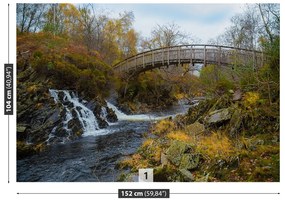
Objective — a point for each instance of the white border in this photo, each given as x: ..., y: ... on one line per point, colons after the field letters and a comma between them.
x: 9, y: 191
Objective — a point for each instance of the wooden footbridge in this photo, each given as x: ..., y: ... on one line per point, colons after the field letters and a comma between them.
x: 188, y: 54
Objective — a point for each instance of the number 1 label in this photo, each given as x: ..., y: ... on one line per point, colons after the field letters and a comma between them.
x: 145, y: 175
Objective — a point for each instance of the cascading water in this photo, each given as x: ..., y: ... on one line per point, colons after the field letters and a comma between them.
x: 137, y: 117
x: 104, y: 114
x: 74, y: 108
x: 78, y: 120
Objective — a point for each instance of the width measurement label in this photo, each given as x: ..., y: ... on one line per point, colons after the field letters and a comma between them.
x: 8, y: 89
x: 143, y: 193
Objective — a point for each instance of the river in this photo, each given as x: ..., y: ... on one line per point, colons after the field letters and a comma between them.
x: 91, y: 158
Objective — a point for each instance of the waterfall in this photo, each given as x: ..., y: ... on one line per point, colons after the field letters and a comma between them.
x: 73, y: 108
x: 78, y: 120
x: 104, y: 114
x: 137, y: 117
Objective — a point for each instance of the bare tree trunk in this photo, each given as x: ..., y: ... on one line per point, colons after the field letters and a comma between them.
x: 265, y: 24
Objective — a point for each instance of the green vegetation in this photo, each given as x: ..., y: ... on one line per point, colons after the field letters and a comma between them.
x: 63, y: 63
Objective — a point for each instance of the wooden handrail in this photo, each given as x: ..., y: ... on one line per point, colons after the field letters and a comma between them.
x: 188, y: 45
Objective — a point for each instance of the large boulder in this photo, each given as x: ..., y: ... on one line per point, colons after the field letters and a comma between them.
x: 195, y: 129
x: 218, y: 116
x: 189, y: 161
x: 176, y: 151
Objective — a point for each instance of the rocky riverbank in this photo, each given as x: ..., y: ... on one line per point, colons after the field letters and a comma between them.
x: 46, y: 62
x: 232, y: 138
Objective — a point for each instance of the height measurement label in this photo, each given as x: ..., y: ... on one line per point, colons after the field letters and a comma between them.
x: 8, y: 89
x: 143, y: 193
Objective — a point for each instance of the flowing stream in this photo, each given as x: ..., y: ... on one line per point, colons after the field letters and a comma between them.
x: 94, y: 156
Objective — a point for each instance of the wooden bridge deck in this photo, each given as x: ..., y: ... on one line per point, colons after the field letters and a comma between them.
x: 189, y: 54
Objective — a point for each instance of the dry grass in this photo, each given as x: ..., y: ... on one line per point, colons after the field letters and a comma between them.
x: 216, y: 145
x: 178, y: 135
x: 163, y: 127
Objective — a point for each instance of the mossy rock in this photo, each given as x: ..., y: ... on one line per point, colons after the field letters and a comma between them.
x: 197, y: 112
x: 218, y: 116
x: 195, y: 129
x: 189, y: 161
x: 176, y: 151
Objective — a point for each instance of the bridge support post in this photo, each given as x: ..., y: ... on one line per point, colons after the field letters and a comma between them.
x: 143, y: 59
x: 262, y: 59
x: 254, y: 60
x: 162, y: 60
x: 204, y: 55
x: 219, y: 56
x: 168, y: 56
x: 191, y: 55
x: 152, y: 58
x: 179, y: 51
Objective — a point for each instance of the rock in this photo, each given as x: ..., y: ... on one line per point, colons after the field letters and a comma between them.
x: 196, y: 112
x: 186, y: 175
x: 55, y: 117
x: 218, y: 116
x: 189, y: 161
x: 111, y: 115
x: 237, y: 95
x: 176, y: 150
x: 235, y: 122
x: 22, y: 131
x: 75, y: 126
x: 231, y: 91
x: 195, y: 129
x: 21, y: 128
x: 163, y: 159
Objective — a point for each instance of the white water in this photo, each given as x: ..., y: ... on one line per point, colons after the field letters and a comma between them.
x: 104, y: 114
x: 85, y: 116
x: 87, y: 119
x: 138, y: 117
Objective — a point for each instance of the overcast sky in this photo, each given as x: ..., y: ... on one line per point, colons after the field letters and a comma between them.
x: 204, y: 21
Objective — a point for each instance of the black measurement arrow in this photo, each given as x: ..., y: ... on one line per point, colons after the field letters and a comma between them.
x: 224, y: 193
x: 75, y: 193
x: 6, y: 92
x: 202, y: 193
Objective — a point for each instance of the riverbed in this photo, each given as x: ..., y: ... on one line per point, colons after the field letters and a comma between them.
x: 92, y: 158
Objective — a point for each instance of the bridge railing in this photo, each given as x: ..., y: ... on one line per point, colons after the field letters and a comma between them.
x: 204, y: 54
